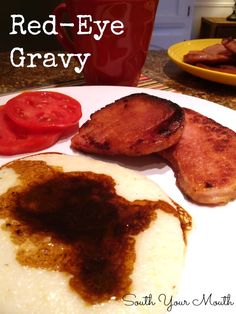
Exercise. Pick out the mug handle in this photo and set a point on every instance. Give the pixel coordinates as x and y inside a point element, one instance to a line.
<point>62,35</point>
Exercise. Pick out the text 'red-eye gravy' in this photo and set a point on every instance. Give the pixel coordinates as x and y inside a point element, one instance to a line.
<point>75,223</point>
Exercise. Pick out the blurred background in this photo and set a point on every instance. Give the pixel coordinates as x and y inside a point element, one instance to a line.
<point>176,21</point>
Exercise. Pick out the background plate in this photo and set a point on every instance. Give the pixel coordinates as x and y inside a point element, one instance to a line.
<point>210,261</point>
<point>177,51</point>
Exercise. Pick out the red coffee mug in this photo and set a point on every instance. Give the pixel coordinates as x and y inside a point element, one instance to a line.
<point>116,33</point>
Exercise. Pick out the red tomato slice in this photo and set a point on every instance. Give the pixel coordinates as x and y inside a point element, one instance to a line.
<point>43,110</point>
<point>16,140</point>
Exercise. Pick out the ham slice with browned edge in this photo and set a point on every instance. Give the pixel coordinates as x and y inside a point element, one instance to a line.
<point>138,124</point>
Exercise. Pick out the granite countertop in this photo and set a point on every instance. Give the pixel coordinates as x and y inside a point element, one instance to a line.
<point>158,67</point>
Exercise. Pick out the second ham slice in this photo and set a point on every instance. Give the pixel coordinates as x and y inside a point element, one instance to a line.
<point>204,160</point>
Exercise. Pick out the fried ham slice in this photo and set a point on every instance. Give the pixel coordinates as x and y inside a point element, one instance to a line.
<point>212,55</point>
<point>138,124</point>
<point>230,44</point>
<point>218,57</point>
<point>204,160</point>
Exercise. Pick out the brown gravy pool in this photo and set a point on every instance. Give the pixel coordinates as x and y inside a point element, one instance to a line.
<point>75,223</point>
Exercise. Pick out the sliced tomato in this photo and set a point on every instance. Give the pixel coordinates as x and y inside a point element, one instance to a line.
<point>16,140</point>
<point>43,110</point>
<point>70,131</point>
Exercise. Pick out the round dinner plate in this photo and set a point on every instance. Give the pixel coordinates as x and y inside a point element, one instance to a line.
<point>177,51</point>
<point>209,269</point>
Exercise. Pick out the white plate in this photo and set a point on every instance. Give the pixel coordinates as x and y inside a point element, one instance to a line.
<point>210,266</point>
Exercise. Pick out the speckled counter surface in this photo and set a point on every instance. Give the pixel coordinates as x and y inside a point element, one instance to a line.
<point>160,68</point>
<point>157,66</point>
